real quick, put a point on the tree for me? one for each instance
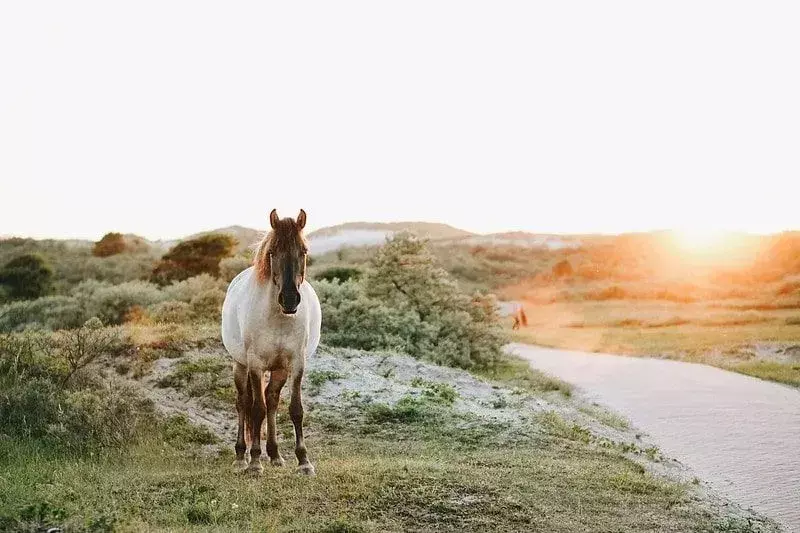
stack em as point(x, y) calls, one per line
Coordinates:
point(194, 257)
point(26, 277)
point(461, 330)
point(111, 244)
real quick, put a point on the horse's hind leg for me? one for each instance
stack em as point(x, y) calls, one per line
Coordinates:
point(257, 412)
point(244, 402)
point(277, 378)
point(296, 412)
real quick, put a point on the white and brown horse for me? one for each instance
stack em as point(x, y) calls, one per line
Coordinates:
point(270, 323)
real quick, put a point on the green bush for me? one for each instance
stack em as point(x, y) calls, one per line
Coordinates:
point(187, 289)
point(194, 257)
point(111, 303)
point(27, 276)
point(170, 311)
point(230, 267)
point(407, 303)
point(50, 312)
point(339, 273)
point(38, 401)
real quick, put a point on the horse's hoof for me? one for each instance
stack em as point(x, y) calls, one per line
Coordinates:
point(306, 470)
point(239, 465)
point(278, 461)
point(255, 469)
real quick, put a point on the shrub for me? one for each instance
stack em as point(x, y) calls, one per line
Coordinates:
point(36, 401)
point(110, 303)
point(339, 273)
point(50, 312)
point(562, 269)
point(110, 244)
point(194, 257)
point(26, 277)
point(230, 267)
point(170, 311)
point(187, 289)
point(208, 305)
point(407, 303)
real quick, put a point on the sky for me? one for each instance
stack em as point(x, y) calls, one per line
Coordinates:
point(167, 118)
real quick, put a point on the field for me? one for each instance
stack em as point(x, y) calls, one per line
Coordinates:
point(760, 343)
point(427, 448)
point(116, 411)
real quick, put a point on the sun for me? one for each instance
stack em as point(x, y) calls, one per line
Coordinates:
point(700, 240)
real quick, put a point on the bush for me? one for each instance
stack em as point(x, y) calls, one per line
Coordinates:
point(188, 289)
point(207, 305)
point(110, 244)
point(339, 273)
point(170, 311)
point(26, 277)
point(50, 312)
point(230, 267)
point(111, 303)
point(39, 401)
point(562, 269)
point(407, 303)
point(194, 257)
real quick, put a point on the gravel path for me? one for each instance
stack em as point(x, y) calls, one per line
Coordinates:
point(739, 433)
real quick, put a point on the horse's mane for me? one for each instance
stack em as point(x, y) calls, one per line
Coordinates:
point(282, 235)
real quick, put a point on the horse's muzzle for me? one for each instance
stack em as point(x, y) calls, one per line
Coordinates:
point(289, 304)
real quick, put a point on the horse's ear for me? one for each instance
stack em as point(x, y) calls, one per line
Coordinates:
point(301, 219)
point(273, 218)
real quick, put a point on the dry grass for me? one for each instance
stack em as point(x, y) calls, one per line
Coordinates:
point(711, 333)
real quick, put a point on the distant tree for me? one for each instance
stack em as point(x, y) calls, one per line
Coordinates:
point(26, 277)
point(194, 257)
point(111, 244)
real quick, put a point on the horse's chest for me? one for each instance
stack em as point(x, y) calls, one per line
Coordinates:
point(278, 345)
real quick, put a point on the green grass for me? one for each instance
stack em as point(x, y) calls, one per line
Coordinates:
point(391, 481)
point(514, 372)
point(208, 378)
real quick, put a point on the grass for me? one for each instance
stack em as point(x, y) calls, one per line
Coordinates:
point(207, 378)
point(516, 373)
point(396, 479)
point(703, 333)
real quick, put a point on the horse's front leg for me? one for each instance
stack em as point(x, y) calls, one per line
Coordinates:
point(277, 378)
point(244, 401)
point(296, 412)
point(257, 411)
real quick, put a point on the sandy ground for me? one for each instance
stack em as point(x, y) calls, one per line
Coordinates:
point(739, 433)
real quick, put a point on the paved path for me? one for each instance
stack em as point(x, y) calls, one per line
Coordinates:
point(739, 433)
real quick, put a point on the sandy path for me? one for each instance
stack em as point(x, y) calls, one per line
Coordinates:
point(739, 433)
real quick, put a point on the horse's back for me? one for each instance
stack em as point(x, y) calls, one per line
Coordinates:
point(232, 335)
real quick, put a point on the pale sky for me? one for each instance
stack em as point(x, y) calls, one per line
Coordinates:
point(165, 118)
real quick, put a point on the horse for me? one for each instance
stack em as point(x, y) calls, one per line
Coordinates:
point(271, 321)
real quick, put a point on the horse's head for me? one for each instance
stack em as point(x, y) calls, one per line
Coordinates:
point(287, 259)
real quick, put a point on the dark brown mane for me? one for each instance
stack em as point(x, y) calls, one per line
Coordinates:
point(284, 236)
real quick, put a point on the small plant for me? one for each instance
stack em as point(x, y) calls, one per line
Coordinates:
point(435, 391)
point(78, 348)
point(317, 378)
point(179, 431)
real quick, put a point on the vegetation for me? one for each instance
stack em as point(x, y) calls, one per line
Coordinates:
point(26, 277)
point(82, 448)
point(193, 257)
point(406, 302)
point(111, 244)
